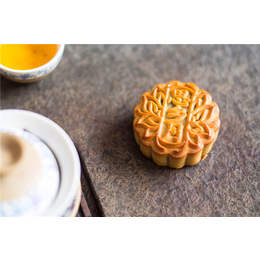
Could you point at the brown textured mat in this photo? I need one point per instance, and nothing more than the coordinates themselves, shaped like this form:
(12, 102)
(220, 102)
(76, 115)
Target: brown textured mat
(92, 94)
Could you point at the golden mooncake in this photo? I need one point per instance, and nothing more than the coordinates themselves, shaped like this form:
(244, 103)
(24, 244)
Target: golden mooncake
(176, 124)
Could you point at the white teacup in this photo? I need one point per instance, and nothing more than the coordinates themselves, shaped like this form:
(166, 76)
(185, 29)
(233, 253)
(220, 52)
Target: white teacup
(32, 75)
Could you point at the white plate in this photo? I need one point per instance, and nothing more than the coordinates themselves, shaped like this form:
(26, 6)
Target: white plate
(62, 147)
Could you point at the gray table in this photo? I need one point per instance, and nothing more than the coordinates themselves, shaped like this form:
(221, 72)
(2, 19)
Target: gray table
(91, 95)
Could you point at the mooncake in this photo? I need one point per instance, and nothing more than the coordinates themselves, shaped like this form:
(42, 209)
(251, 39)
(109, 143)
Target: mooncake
(176, 124)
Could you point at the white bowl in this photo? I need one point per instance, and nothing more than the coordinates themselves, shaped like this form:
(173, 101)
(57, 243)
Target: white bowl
(28, 76)
(40, 197)
(63, 149)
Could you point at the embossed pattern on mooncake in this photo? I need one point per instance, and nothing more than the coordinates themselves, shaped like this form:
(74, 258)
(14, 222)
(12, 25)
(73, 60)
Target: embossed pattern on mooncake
(176, 124)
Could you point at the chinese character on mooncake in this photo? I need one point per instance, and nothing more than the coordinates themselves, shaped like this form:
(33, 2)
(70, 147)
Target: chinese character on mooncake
(176, 124)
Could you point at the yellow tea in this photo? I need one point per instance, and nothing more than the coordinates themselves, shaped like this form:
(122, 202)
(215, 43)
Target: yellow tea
(26, 56)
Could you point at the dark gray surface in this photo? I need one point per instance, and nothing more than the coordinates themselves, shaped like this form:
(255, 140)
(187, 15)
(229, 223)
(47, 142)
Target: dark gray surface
(92, 94)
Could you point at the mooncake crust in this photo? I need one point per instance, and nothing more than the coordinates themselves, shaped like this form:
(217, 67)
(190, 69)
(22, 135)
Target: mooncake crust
(176, 124)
